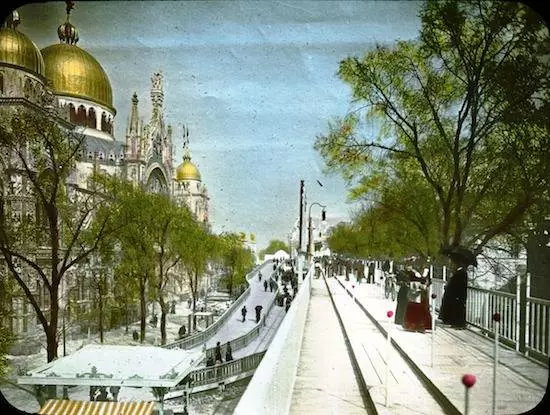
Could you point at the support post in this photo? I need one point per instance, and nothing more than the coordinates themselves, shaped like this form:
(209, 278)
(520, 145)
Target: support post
(496, 318)
(518, 304)
(527, 312)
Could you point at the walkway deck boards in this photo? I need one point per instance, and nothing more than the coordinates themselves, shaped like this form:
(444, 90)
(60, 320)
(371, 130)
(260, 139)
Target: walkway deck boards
(521, 382)
(406, 395)
(325, 382)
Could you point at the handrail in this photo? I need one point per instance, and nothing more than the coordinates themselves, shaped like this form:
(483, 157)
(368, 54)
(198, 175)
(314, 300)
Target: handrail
(524, 321)
(215, 374)
(244, 340)
(200, 338)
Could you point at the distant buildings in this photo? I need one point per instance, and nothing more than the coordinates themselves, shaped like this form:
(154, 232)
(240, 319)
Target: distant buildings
(67, 79)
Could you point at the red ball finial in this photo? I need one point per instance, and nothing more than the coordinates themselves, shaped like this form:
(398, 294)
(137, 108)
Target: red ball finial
(389, 314)
(468, 380)
(496, 317)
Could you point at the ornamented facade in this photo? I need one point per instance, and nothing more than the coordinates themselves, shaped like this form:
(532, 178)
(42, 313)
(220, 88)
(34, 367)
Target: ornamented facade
(68, 80)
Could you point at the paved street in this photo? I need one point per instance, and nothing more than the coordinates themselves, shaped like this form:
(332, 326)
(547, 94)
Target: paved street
(234, 326)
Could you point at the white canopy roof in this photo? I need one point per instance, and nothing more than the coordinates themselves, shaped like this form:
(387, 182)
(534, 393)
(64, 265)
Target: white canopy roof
(107, 365)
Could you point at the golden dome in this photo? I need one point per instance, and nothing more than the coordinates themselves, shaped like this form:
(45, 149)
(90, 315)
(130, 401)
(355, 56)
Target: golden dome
(18, 50)
(75, 73)
(187, 171)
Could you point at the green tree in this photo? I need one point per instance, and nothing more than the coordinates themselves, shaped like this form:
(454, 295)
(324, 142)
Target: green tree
(42, 217)
(129, 211)
(171, 227)
(238, 260)
(274, 246)
(6, 335)
(466, 105)
(196, 247)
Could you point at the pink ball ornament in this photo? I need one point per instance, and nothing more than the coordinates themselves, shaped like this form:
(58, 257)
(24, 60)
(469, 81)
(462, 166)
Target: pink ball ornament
(389, 314)
(468, 380)
(434, 296)
(496, 317)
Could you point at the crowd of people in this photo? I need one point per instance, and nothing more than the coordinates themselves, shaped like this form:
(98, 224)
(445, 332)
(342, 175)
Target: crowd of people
(413, 302)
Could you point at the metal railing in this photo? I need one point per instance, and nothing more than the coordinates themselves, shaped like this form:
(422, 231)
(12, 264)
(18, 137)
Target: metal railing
(213, 375)
(201, 338)
(244, 340)
(524, 320)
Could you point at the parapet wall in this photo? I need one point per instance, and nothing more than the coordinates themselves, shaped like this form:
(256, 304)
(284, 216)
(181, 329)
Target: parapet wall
(270, 390)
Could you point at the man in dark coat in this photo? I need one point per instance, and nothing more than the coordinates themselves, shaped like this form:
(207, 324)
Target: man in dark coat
(265, 285)
(243, 312)
(258, 309)
(453, 303)
(228, 353)
(218, 353)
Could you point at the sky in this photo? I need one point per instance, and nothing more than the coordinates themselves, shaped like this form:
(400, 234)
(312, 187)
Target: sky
(254, 81)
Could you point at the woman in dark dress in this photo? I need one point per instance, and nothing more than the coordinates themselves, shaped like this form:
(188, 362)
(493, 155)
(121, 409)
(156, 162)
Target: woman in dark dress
(403, 282)
(453, 303)
(416, 318)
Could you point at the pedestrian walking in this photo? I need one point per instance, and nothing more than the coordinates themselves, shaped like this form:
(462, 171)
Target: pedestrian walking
(243, 312)
(453, 303)
(228, 353)
(271, 284)
(218, 353)
(265, 285)
(260, 276)
(403, 280)
(258, 309)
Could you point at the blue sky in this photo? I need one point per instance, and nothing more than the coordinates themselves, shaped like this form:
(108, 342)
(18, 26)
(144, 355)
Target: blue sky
(255, 82)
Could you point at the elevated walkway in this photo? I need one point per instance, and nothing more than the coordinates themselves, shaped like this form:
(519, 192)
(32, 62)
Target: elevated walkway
(325, 381)
(406, 393)
(521, 381)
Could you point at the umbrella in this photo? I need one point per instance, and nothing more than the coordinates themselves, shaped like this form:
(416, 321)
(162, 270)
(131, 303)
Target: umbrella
(461, 255)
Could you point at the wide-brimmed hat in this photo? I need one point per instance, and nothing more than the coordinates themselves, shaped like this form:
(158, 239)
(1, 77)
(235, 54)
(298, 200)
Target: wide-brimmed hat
(461, 255)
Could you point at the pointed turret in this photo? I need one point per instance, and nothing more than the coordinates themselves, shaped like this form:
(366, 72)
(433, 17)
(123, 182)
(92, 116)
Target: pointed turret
(133, 131)
(133, 119)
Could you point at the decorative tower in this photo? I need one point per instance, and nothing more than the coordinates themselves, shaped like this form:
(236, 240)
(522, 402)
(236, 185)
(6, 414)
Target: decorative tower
(187, 187)
(134, 143)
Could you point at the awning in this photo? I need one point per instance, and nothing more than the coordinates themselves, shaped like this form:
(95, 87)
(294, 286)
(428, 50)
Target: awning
(68, 407)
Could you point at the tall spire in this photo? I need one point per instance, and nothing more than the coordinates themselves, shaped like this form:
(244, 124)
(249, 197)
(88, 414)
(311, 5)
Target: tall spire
(67, 32)
(157, 93)
(186, 151)
(133, 122)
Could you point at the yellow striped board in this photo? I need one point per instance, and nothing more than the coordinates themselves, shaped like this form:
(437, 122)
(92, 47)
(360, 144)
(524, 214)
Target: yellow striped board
(69, 407)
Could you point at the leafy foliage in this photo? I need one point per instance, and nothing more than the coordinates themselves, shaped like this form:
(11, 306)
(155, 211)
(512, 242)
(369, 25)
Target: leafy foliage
(41, 211)
(462, 113)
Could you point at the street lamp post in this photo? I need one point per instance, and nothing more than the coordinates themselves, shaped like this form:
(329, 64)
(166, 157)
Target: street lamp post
(310, 230)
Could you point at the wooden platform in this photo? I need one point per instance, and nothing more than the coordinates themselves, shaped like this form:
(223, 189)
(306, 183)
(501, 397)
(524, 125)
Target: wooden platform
(325, 382)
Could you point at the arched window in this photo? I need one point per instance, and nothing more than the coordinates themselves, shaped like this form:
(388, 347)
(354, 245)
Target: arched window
(91, 118)
(1, 83)
(72, 112)
(81, 115)
(103, 121)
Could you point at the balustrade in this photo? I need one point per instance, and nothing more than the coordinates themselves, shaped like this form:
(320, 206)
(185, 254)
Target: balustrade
(482, 304)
